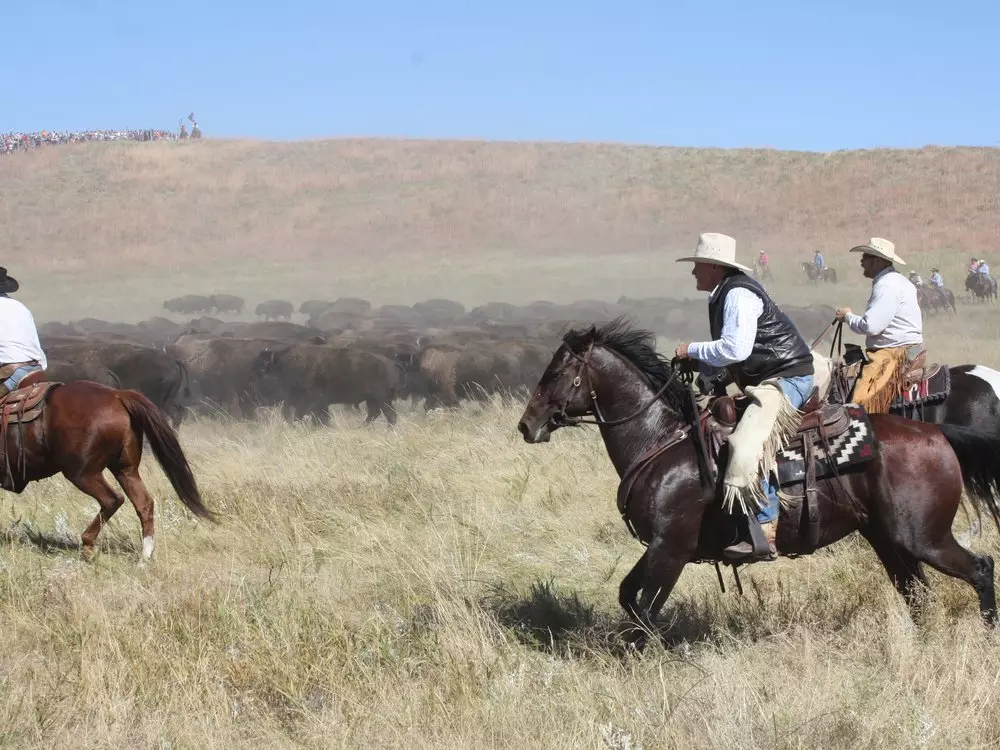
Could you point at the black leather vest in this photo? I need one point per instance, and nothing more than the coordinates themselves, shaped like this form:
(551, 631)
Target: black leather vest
(778, 350)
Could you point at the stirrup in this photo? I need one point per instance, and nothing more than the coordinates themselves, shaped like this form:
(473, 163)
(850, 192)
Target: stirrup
(757, 549)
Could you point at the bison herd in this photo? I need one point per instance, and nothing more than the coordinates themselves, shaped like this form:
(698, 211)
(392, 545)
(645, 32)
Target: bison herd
(348, 352)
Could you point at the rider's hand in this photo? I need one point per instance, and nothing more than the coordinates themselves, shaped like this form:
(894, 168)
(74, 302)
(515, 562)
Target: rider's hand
(843, 312)
(681, 352)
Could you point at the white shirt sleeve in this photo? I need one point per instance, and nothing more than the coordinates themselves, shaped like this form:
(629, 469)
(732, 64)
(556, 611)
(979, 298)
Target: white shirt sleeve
(739, 330)
(882, 308)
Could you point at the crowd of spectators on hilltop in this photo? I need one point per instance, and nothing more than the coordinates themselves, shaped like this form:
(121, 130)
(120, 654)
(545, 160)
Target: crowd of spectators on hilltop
(14, 142)
(11, 143)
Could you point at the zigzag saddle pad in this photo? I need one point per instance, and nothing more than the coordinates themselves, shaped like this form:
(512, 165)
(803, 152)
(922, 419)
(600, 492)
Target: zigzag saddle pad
(854, 446)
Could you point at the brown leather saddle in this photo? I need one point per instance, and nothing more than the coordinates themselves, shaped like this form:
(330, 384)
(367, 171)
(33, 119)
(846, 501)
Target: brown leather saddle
(18, 407)
(918, 371)
(26, 402)
(830, 440)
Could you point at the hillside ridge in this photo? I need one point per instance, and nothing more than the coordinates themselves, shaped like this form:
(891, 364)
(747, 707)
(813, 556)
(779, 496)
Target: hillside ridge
(233, 202)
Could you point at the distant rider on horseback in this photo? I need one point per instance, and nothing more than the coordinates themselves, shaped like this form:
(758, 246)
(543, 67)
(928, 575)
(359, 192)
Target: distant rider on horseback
(760, 349)
(819, 261)
(20, 351)
(937, 281)
(892, 325)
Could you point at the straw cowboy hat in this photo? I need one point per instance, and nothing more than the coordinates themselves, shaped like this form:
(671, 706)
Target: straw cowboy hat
(719, 249)
(880, 248)
(8, 284)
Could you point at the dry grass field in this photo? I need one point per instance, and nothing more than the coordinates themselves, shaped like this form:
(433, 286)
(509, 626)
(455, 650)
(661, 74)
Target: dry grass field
(444, 584)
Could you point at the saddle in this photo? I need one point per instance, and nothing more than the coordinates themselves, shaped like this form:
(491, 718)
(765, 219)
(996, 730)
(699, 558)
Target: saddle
(832, 439)
(921, 384)
(18, 407)
(25, 403)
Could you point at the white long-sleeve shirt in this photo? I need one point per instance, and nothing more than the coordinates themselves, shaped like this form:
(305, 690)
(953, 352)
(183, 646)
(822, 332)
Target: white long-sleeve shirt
(893, 316)
(18, 335)
(739, 330)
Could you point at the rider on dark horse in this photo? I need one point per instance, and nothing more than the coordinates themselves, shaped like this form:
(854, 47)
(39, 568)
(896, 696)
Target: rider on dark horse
(20, 351)
(892, 325)
(763, 353)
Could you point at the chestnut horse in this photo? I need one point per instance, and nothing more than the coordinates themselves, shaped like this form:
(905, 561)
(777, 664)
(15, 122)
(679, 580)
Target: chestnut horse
(86, 428)
(903, 502)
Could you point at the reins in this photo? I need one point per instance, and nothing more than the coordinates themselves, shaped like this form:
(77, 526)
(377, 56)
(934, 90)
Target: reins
(563, 420)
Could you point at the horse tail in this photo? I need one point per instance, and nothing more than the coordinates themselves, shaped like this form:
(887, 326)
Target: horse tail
(978, 454)
(152, 423)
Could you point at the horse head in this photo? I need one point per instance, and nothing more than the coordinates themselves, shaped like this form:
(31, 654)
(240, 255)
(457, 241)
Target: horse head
(560, 393)
(616, 364)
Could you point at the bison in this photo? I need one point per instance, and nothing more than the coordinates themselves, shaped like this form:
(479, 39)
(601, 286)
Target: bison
(447, 373)
(160, 377)
(64, 371)
(313, 307)
(221, 370)
(351, 305)
(274, 309)
(307, 379)
(225, 303)
(189, 304)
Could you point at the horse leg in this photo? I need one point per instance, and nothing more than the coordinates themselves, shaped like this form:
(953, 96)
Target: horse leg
(374, 409)
(902, 567)
(628, 589)
(128, 477)
(951, 558)
(95, 485)
(663, 565)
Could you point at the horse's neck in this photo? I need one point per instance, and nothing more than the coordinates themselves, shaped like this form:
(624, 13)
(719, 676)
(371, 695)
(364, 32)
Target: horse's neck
(622, 391)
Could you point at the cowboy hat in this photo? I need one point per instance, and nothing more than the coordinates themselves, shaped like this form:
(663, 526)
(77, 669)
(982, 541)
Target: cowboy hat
(880, 248)
(715, 248)
(8, 284)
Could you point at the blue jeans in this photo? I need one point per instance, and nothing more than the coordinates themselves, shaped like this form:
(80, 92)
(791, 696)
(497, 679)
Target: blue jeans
(797, 390)
(18, 375)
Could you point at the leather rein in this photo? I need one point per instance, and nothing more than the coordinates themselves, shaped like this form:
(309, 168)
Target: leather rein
(561, 419)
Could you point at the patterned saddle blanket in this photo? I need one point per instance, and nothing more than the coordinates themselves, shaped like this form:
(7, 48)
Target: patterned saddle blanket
(831, 441)
(926, 386)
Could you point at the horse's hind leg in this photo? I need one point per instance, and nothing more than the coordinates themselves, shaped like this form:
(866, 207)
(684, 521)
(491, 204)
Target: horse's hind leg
(126, 470)
(128, 477)
(96, 486)
(951, 558)
(902, 567)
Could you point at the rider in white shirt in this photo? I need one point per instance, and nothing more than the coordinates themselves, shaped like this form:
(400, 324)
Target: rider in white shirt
(19, 345)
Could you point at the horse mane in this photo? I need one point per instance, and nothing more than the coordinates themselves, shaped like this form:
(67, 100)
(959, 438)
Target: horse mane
(638, 346)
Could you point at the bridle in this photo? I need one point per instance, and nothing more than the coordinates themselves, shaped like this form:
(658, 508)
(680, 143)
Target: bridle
(561, 419)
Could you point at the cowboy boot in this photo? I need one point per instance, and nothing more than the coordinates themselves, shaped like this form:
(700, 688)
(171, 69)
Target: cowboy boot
(753, 544)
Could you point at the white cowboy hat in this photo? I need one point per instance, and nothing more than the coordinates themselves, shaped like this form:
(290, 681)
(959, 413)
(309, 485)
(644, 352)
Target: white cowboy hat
(880, 248)
(719, 249)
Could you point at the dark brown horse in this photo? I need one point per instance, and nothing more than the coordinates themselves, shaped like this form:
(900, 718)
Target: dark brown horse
(903, 502)
(86, 428)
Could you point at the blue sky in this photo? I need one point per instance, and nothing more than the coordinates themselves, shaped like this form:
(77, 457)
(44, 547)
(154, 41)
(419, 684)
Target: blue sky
(793, 75)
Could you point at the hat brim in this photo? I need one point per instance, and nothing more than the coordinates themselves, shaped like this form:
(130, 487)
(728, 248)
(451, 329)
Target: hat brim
(727, 264)
(869, 250)
(9, 285)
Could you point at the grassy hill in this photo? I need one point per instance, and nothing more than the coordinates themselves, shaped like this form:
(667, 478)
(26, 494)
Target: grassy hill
(499, 220)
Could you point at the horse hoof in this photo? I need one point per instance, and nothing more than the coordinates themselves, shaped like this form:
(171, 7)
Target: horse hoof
(88, 554)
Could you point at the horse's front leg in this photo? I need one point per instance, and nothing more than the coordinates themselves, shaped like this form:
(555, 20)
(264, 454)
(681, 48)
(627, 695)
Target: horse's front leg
(628, 589)
(663, 562)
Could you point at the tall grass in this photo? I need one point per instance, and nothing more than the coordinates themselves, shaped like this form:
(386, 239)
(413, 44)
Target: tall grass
(440, 585)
